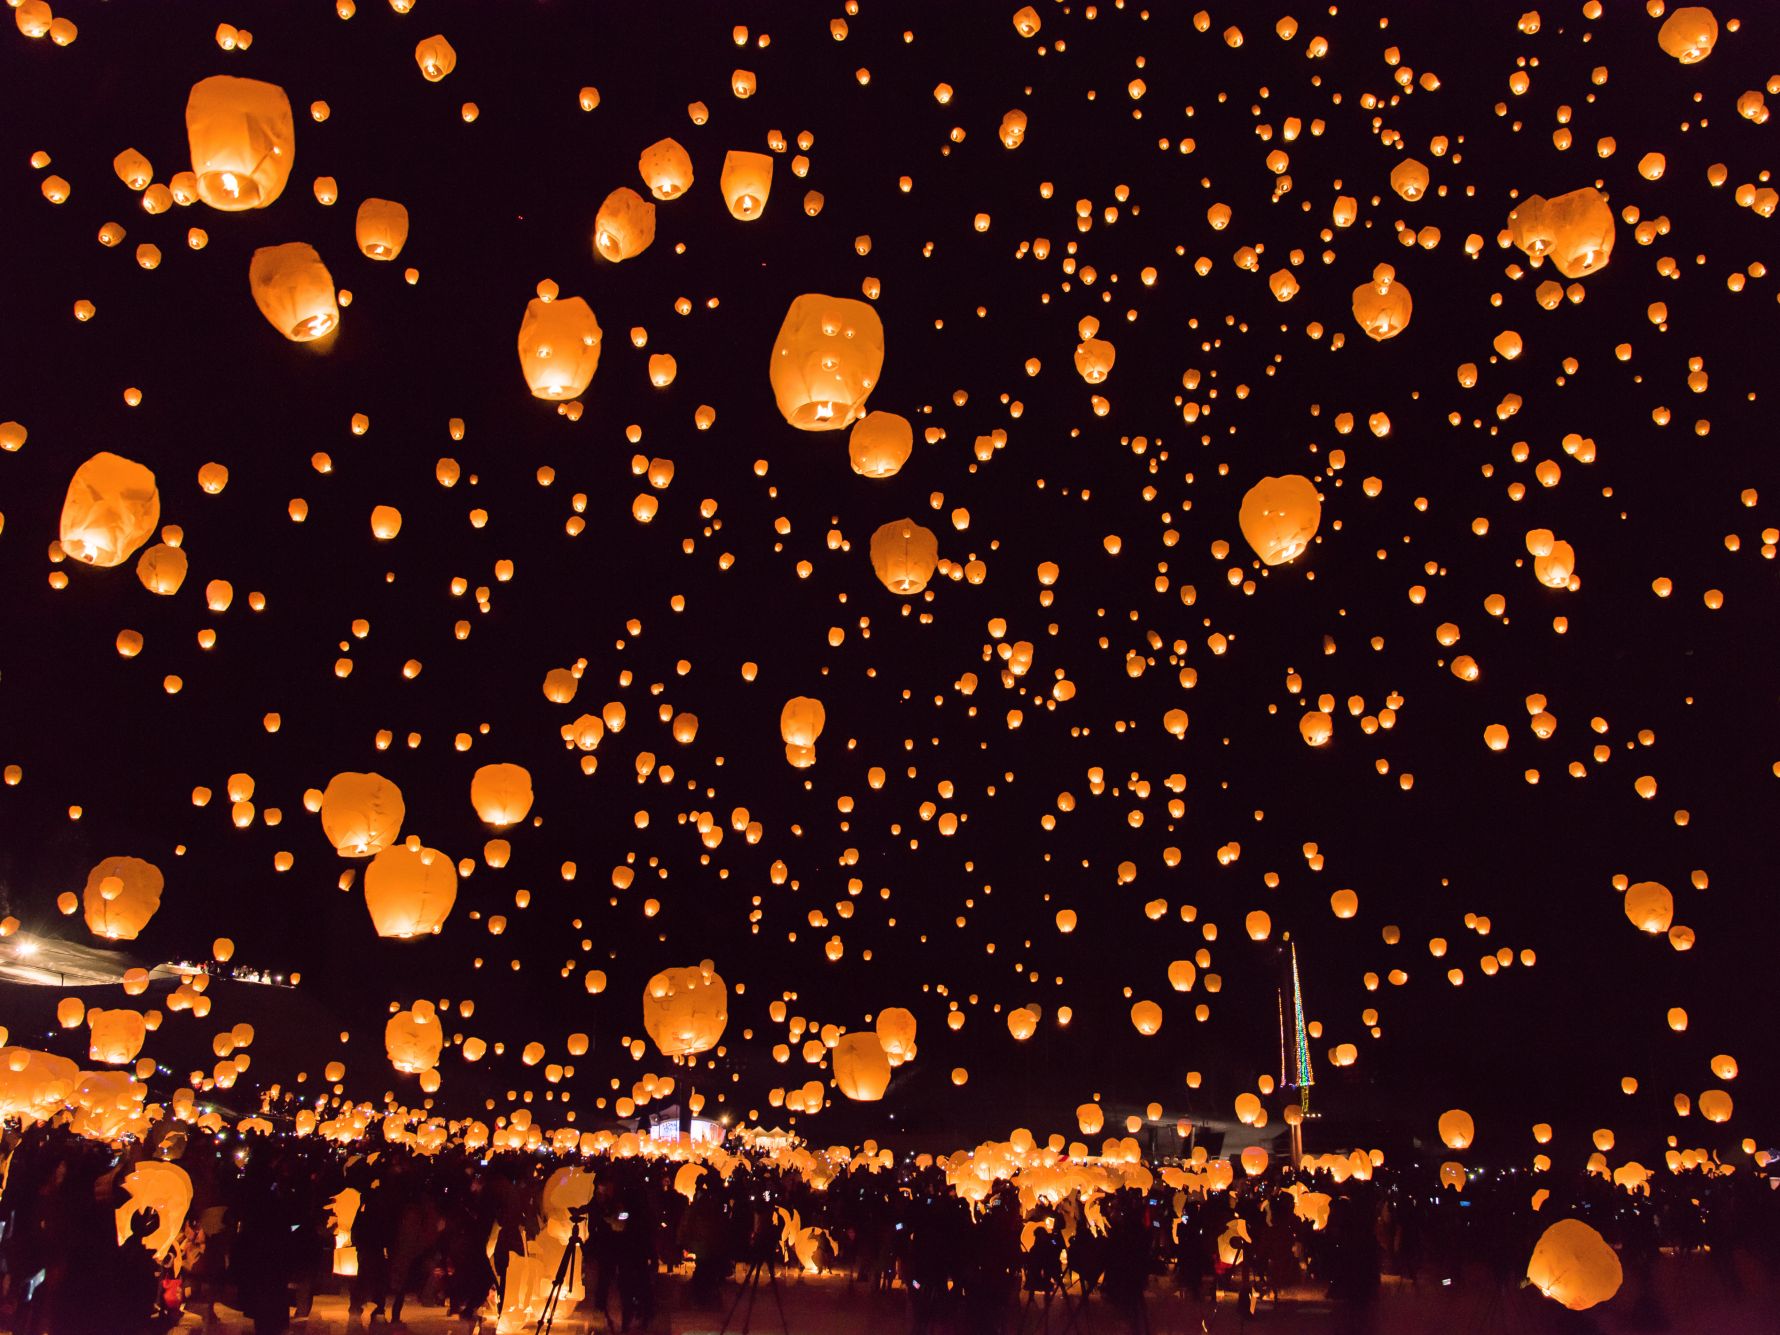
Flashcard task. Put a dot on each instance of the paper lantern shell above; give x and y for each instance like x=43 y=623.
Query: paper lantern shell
x=746 y=182
x=685 y=1010
x=1279 y=517
x=825 y=361
x=361 y=814
x=1573 y=1264
x=625 y=225
x=243 y=141
x=381 y=228
x=666 y=169
x=410 y=891
x=904 y=555
x=294 y=291
x=121 y=895
x=559 y=347
x=111 y=509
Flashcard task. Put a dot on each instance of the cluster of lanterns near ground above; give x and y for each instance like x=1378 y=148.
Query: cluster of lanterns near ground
x=1013 y=609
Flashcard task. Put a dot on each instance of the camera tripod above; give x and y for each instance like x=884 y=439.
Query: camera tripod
x=751 y=1287
x=573 y=1249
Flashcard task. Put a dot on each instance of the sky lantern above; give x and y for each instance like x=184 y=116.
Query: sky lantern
x=896 y=1033
x=1146 y=1018
x=825 y=361
x=1383 y=306
x=294 y=291
x=361 y=814
x=1094 y=360
x=559 y=347
x=165 y=1188
x=1456 y=1129
x=746 y=182
x=1316 y=728
x=1689 y=34
x=501 y=794
x=243 y=141
x=1091 y=1118
x=880 y=444
x=121 y=895
x=409 y=891
x=161 y=569
x=1012 y=131
x=1409 y=178
x=666 y=169
x=1650 y=907
x=1715 y=1105
x=861 y=1067
x=112 y=508
x=625 y=225
x=381 y=228
x=413 y=1039
x=1026 y=21
x=1279 y=517
x=904 y=555
x=800 y=724
x=1022 y=1023
x=1574 y=1265
x=115 y=1036
x=685 y=1010
x=1574 y=231
x=435 y=56
x=1254 y=1160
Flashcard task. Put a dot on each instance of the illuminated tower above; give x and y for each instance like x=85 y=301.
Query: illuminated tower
x=1294 y=1052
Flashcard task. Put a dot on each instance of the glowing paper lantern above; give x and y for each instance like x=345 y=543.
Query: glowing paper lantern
x=1574 y=1265
x=666 y=169
x=896 y=1033
x=121 y=895
x=413 y=1039
x=746 y=182
x=1279 y=517
x=559 y=347
x=111 y=509
x=825 y=361
x=381 y=228
x=880 y=444
x=409 y=891
x=861 y=1067
x=165 y=1188
x=294 y=291
x=361 y=814
x=1689 y=34
x=800 y=723
x=1650 y=907
x=624 y=226
x=1456 y=1129
x=501 y=794
x=1254 y=1160
x=905 y=555
x=1383 y=306
x=436 y=57
x=115 y=1036
x=1146 y=1017
x=686 y=1010
x=243 y=141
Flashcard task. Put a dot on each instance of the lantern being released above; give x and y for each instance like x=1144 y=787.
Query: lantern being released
x=382 y=228
x=243 y=141
x=409 y=891
x=361 y=814
x=746 y=182
x=111 y=509
x=559 y=347
x=685 y=1010
x=825 y=361
x=1574 y=1265
x=294 y=291
x=624 y=226
x=1383 y=306
x=905 y=555
x=165 y=1188
x=121 y=895
x=1279 y=517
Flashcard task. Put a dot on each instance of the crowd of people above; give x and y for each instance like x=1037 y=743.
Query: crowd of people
x=259 y=1235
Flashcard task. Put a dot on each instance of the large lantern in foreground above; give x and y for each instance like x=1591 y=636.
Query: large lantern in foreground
x=294 y=291
x=361 y=814
x=1279 y=517
x=243 y=141
x=686 y=1010
x=122 y=894
x=559 y=347
x=905 y=555
x=410 y=891
x=826 y=359
x=111 y=509
x=1574 y=1265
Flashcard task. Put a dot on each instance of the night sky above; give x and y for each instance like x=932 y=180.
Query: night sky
x=501 y=203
